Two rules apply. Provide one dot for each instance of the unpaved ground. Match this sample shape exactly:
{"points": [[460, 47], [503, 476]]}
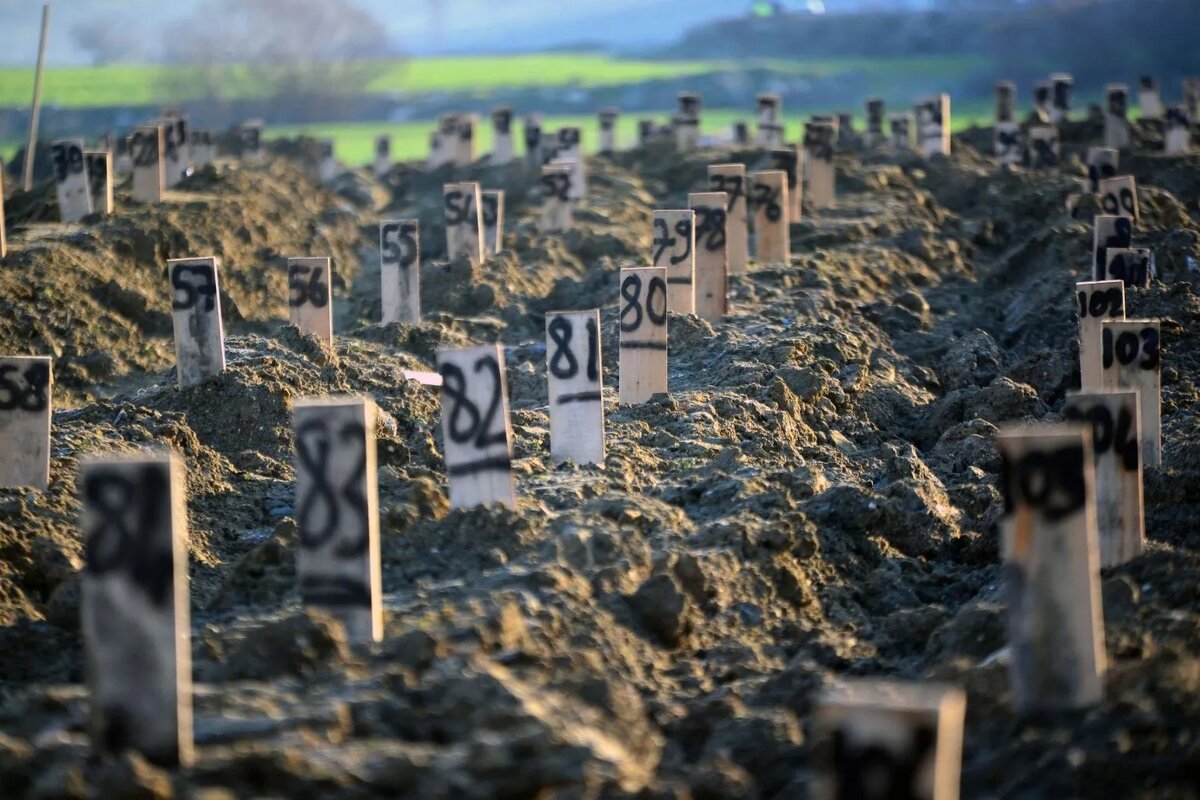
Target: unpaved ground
{"points": [[817, 497]]}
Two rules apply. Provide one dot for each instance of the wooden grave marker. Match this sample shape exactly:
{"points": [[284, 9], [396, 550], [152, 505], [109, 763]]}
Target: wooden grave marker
{"points": [[475, 426], [887, 739], [712, 254], [492, 203], [532, 135], [687, 121], [1043, 148], [900, 128], [250, 137], [1149, 99], [71, 180], [464, 144], [464, 224], [196, 312], [570, 150], [876, 113], [503, 151], [400, 270], [123, 156], [731, 179], [847, 137], [1041, 101], [310, 301], [1095, 302], [608, 130], [643, 322], [1113, 415], [1131, 358], [741, 133], [383, 155], [176, 154], [1134, 266], [1006, 136], [134, 606], [933, 125], [100, 180], [203, 149], [1191, 99], [789, 160], [772, 237], [576, 382], [558, 208], [327, 166], [146, 153], [337, 512], [1102, 163], [818, 161], [1062, 85], [1108, 231], [1051, 566], [1116, 122], [1118, 197], [1006, 101], [770, 120], [26, 388], [1177, 133], [675, 249]]}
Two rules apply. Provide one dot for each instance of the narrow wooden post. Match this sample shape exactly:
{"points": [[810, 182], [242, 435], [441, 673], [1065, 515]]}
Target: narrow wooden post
{"points": [[570, 151], [464, 142], [643, 321], [35, 110], [1051, 566], [1108, 231], [146, 151], [847, 137], [901, 139], [26, 386], [576, 383], [687, 121], [674, 246], [770, 120], [1062, 85], [400, 270], [557, 207], [887, 739], [3, 224], [71, 180], [176, 158], [327, 168], [203, 149], [608, 130], [1041, 101], [1044, 151], [1006, 137], [1191, 99], [310, 304], [1118, 197], [492, 203], [1131, 358], [134, 606], [250, 137], [98, 166], [934, 125], [1096, 302], [731, 179], [196, 306], [712, 254], [818, 160], [1177, 131], [475, 426], [337, 512], [876, 112], [464, 225], [1113, 417], [1116, 124], [533, 140], [772, 237], [383, 155], [503, 151], [1149, 98], [790, 161], [1102, 162]]}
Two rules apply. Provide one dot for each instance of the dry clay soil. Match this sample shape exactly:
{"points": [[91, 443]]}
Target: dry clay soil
{"points": [[817, 496]]}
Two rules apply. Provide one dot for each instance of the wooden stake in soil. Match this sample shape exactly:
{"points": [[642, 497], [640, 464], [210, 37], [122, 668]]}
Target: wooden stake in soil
{"points": [[1108, 231], [819, 141], [1044, 151], [1102, 163], [875, 120], [1006, 101], [327, 168], [71, 180], [933, 125], [1149, 99], [1006, 136], [100, 180], [1048, 542], [475, 427], [1095, 302], [26, 384], [1118, 197], [643, 323], [576, 374], [731, 179], [1191, 99], [712, 255], [675, 249], [1131, 358], [146, 151], [533, 140], [772, 237], [310, 305], [176, 157], [134, 606], [203, 149], [788, 159], [464, 141], [337, 512], [250, 136], [383, 155], [570, 150], [557, 207], [400, 270], [196, 306], [687, 121], [608, 130], [1116, 124], [492, 203], [1041, 101], [464, 225], [770, 120], [1177, 133], [1062, 85], [900, 127], [1118, 464], [502, 138], [1134, 266], [887, 739]]}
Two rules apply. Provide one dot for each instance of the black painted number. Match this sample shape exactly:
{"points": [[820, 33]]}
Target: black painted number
{"points": [[477, 424], [561, 331], [31, 396], [654, 305], [711, 227], [190, 283], [68, 160], [1129, 346], [1108, 304], [1109, 434], [319, 513], [1050, 481], [400, 244], [127, 534], [766, 196], [309, 290]]}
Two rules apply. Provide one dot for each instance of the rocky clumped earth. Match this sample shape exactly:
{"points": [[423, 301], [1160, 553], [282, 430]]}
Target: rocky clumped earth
{"points": [[817, 496]]}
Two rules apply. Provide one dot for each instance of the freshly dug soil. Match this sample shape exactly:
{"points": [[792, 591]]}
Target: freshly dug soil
{"points": [[815, 498]]}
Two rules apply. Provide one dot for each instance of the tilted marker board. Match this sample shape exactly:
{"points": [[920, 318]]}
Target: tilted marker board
{"points": [[771, 231], [643, 343], [26, 385], [712, 259], [464, 225], [1096, 302], [71, 180], [1131, 358], [731, 179], [310, 306], [475, 426], [1120, 515], [134, 603], [1051, 566], [576, 373], [674, 246], [400, 270], [100, 180], [337, 512], [196, 311], [146, 153]]}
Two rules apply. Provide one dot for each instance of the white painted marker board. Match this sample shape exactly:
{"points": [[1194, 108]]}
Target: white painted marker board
{"points": [[1149, 99], [146, 154], [1113, 415], [203, 149], [1062, 85], [1131, 358], [502, 137], [176, 154], [26, 387], [337, 512], [608, 130], [643, 324], [383, 155], [674, 245], [327, 165], [1116, 122], [310, 301], [71, 179], [1095, 302], [712, 256], [1177, 131], [400, 270], [475, 427], [687, 121], [1051, 566], [934, 125], [196, 311], [134, 606], [731, 179], [576, 381], [772, 237], [557, 206]]}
